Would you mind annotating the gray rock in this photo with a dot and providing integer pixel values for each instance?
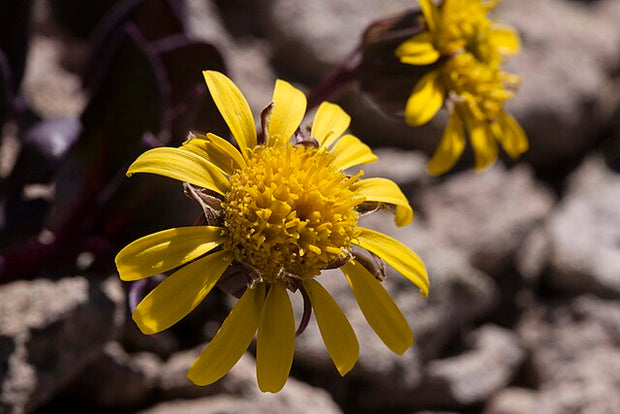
(325, 31)
(512, 401)
(560, 336)
(589, 385)
(247, 60)
(486, 215)
(240, 393)
(584, 232)
(116, 381)
(567, 96)
(49, 332)
(459, 295)
(473, 376)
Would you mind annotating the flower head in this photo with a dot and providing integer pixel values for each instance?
(283, 211)
(466, 49)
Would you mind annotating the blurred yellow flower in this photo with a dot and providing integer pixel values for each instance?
(467, 51)
(287, 211)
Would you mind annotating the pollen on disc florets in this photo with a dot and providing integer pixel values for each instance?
(290, 210)
(483, 89)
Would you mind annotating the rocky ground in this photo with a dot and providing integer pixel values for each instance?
(524, 258)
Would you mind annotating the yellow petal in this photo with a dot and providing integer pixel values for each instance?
(181, 165)
(330, 122)
(336, 331)
(288, 111)
(231, 340)
(506, 39)
(450, 148)
(350, 151)
(418, 50)
(512, 137)
(379, 308)
(483, 144)
(425, 100)
(431, 14)
(234, 109)
(166, 250)
(216, 150)
(179, 293)
(386, 191)
(424, 58)
(275, 345)
(397, 255)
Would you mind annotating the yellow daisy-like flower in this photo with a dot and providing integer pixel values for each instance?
(283, 211)
(467, 50)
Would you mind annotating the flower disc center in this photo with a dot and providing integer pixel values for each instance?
(290, 211)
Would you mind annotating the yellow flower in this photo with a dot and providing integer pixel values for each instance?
(285, 211)
(467, 50)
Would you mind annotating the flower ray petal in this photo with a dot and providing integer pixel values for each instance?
(450, 148)
(350, 151)
(425, 100)
(336, 331)
(179, 293)
(330, 122)
(379, 308)
(275, 344)
(234, 109)
(216, 150)
(397, 255)
(386, 191)
(166, 250)
(181, 165)
(288, 111)
(231, 340)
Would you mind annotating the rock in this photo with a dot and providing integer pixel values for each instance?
(459, 295)
(49, 332)
(512, 401)
(473, 376)
(588, 385)
(405, 168)
(248, 60)
(240, 393)
(116, 381)
(584, 233)
(567, 96)
(327, 31)
(48, 86)
(486, 215)
(532, 258)
(560, 335)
